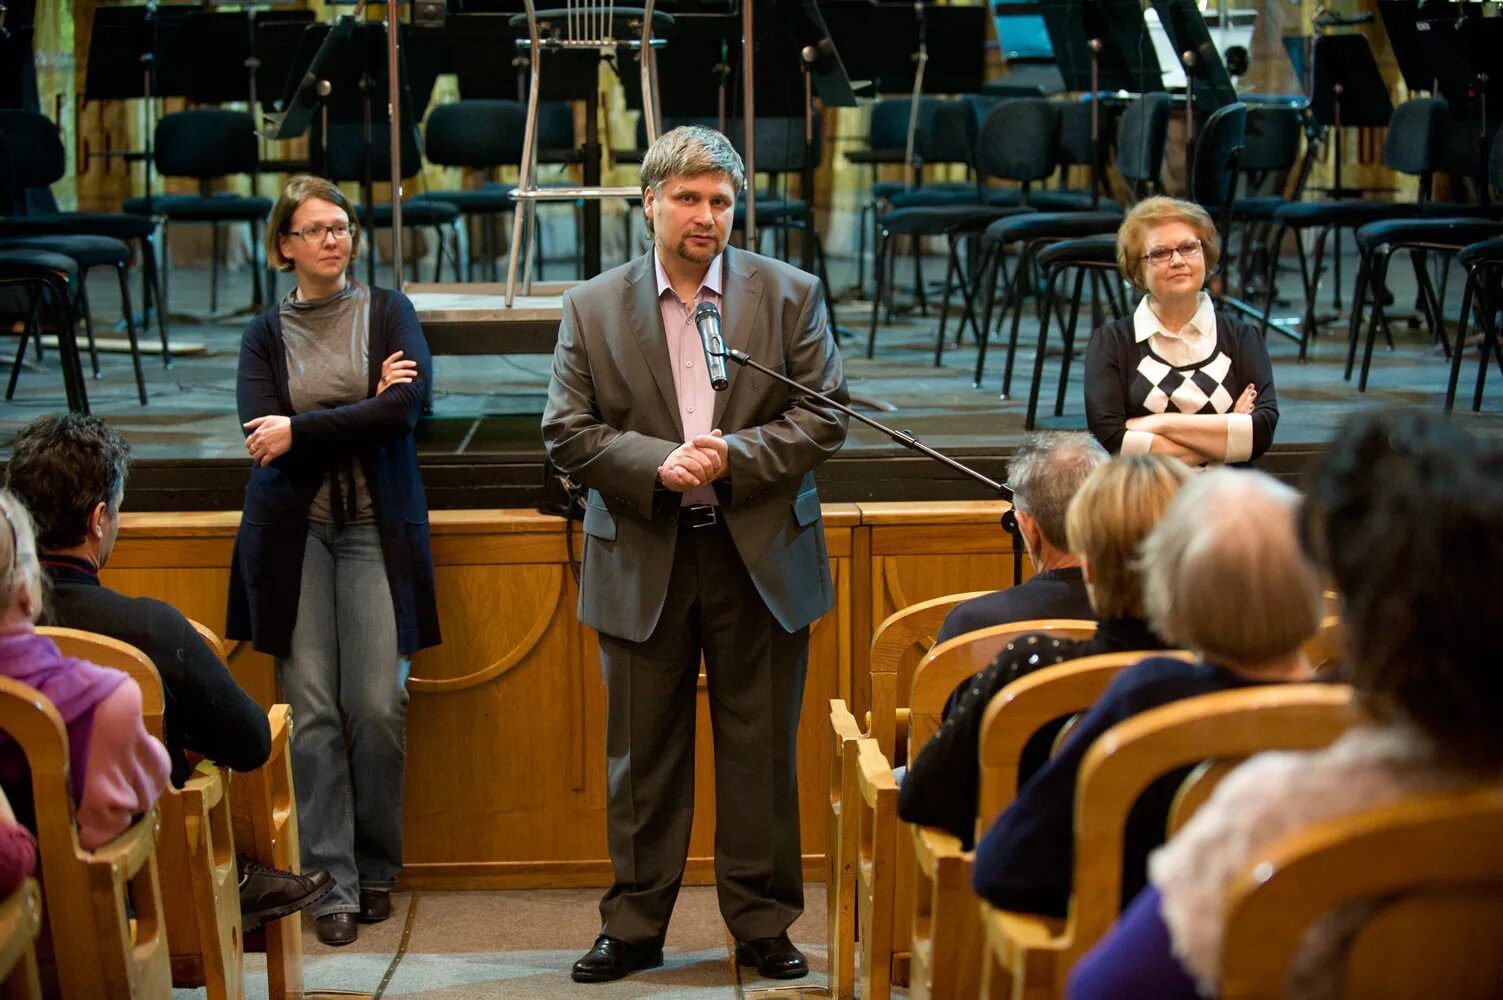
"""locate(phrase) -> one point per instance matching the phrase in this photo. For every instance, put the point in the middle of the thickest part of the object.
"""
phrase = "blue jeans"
(347, 685)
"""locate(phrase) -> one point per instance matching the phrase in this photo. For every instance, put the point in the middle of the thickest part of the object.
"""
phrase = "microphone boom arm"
(903, 438)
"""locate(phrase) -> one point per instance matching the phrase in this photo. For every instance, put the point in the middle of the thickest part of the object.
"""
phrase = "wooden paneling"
(506, 729)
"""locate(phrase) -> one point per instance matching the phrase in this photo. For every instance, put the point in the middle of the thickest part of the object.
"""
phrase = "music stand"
(1208, 86)
(1101, 46)
(135, 53)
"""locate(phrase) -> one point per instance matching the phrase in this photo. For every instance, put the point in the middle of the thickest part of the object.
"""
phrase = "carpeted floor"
(519, 945)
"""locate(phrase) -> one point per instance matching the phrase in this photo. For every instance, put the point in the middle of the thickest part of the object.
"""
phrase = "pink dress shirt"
(691, 381)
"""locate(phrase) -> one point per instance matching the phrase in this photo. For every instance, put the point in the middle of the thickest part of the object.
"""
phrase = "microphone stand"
(907, 440)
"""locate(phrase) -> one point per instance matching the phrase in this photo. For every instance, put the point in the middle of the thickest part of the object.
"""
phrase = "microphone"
(707, 319)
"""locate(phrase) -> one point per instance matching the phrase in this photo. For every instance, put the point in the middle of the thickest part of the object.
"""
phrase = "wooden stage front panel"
(506, 729)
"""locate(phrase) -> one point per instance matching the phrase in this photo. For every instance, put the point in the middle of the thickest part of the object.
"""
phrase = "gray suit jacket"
(612, 418)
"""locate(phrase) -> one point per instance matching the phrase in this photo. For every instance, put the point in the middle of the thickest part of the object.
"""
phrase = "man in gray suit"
(702, 535)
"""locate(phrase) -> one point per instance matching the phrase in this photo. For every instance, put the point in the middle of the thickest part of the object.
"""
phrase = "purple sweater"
(112, 778)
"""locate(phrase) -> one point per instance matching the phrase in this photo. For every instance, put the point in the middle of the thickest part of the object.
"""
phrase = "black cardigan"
(1112, 367)
(266, 570)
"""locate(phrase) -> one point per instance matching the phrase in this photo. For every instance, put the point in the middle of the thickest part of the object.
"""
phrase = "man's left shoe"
(270, 894)
(375, 905)
(774, 957)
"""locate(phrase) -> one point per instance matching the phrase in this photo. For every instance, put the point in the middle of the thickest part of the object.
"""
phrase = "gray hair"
(1224, 573)
(1046, 472)
(690, 151)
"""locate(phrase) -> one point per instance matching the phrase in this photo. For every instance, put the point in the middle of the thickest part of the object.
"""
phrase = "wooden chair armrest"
(932, 847)
(134, 847)
(842, 722)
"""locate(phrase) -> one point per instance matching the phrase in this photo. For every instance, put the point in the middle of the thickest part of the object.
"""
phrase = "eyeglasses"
(316, 231)
(1163, 255)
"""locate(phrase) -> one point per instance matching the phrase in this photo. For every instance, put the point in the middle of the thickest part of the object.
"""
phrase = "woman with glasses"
(332, 572)
(1176, 377)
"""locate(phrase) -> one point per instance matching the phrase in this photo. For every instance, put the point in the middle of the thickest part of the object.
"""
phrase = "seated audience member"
(116, 768)
(1044, 474)
(1116, 507)
(1224, 576)
(1176, 376)
(70, 471)
(1403, 513)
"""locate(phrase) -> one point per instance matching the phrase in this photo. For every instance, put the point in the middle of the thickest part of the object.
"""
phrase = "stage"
(481, 448)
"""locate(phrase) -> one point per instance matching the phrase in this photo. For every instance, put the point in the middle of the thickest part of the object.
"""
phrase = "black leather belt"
(699, 516)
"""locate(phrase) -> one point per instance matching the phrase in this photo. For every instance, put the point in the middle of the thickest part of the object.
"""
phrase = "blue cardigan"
(267, 567)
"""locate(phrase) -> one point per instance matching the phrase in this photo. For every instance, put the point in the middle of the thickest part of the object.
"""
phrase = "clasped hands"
(702, 460)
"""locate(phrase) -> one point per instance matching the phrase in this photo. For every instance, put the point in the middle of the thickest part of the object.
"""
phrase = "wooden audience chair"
(1326, 648)
(98, 951)
(196, 852)
(917, 624)
(265, 815)
(1028, 955)
(1437, 914)
(930, 865)
(840, 852)
(946, 938)
(20, 923)
(876, 853)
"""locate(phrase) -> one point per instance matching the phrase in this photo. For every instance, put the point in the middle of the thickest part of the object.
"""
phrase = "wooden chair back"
(917, 624)
(109, 652)
(196, 852)
(1029, 704)
(1131, 755)
(99, 950)
(1437, 916)
(265, 820)
(876, 847)
(946, 938)
(840, 852)
(20, 923)
(1031, 955)
(946, 665)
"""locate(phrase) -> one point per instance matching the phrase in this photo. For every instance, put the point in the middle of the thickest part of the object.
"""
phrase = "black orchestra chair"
(1414, 132)
(1483, 262)
(42, 276)
(34, 267)
(482, 135)
(207, 144)
(1269, 158)
(1377, 242)
(1075, 150)
(44, 165)
(346, 162)
(998, 154)
(945, 137)
(886, 144)
(1140, 160)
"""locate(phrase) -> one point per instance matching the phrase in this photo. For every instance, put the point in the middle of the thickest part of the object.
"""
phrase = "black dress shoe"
(611, 959)
(375, 905)
(269, 893)
(774, 957)
(337, 928)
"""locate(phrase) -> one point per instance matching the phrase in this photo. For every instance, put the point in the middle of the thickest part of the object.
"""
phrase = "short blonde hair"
(1224, 573)
(1132, 235)
(298, 190)
(19, 564)
(1112, 513)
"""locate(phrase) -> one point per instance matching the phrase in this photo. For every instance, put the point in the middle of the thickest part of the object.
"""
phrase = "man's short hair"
(1224, 573)
(1046, 471)
(690, 151)
(61, 465)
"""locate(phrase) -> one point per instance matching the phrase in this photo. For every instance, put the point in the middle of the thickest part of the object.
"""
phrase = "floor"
(519, 945)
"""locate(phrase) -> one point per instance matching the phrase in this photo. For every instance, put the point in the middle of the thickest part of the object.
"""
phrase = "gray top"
(328, 365)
